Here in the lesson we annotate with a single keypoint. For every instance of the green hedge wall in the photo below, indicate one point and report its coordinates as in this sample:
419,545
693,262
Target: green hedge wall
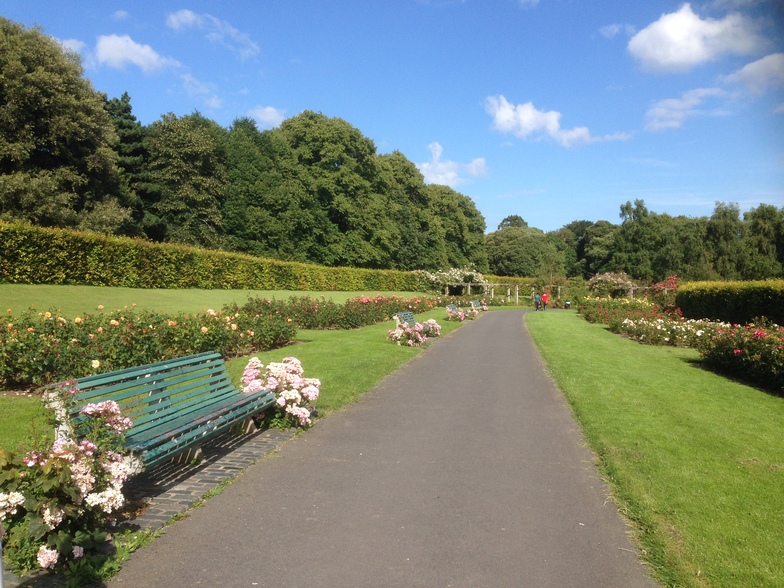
35,255
732,302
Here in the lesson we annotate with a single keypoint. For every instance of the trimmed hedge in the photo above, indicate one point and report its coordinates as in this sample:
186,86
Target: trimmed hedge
36,255
732,302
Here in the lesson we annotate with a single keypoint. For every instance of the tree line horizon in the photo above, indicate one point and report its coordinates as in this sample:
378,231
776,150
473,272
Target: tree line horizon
313,189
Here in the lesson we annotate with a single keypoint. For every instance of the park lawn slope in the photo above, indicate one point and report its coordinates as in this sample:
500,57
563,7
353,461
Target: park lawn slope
72,301
696,461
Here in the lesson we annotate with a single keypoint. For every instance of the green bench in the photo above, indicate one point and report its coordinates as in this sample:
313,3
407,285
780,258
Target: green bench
476,305
175,404
406,316
452,308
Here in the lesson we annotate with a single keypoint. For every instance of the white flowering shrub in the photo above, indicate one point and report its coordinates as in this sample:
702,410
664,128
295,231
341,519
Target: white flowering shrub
439,279
57,499
612,284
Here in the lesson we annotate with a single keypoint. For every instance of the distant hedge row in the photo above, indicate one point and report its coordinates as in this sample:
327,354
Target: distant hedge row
35,255
732,302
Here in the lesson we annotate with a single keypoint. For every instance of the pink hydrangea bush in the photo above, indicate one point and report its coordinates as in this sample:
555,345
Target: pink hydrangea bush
295,402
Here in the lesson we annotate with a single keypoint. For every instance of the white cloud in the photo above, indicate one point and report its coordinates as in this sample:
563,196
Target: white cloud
120,15
447,172
204,90
216,31
760,75
529,3
673,112
524,120
118,51
613,30
74,45
268,116
682,40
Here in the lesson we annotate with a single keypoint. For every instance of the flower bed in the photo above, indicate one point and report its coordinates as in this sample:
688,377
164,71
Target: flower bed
320,313
754,352
41,347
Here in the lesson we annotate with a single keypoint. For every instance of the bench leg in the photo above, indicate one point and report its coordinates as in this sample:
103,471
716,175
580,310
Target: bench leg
189,455
244,427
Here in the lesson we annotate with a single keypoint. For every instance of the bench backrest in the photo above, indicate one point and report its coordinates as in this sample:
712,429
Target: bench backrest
451,307
476,305
406,316
149,393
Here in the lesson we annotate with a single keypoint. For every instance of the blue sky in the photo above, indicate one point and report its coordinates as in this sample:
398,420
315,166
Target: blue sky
555,110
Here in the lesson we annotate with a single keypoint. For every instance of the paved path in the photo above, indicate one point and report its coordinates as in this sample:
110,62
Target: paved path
463,468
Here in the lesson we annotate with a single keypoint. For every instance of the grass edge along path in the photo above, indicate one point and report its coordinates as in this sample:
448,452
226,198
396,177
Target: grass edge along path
695,461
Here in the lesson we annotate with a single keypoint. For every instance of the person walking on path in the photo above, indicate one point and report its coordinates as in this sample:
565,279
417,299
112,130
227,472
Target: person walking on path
545,298
462,468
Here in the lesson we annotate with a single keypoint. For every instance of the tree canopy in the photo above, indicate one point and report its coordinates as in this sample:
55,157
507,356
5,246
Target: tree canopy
58,163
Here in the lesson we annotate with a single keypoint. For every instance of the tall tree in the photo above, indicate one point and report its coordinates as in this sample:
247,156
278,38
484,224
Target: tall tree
598,243
57,157
339,171
631,213
764,240
421,242
514,220
464,227
187,164
523,252
724,238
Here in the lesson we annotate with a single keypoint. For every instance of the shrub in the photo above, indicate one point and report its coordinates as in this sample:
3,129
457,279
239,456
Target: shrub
57,499
295,402
733,302
414,335
753,352
41,347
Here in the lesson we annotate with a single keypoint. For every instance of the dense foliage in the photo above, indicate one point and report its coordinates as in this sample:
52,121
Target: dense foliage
733,302
32,255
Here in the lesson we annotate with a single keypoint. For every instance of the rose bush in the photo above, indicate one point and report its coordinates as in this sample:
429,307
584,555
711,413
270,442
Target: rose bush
414,335
41,347
295,402
57,499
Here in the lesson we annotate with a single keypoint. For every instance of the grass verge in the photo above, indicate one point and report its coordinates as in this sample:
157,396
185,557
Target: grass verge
696,461
21,417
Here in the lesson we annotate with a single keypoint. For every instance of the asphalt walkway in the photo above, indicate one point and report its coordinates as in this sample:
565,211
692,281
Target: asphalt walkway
463,468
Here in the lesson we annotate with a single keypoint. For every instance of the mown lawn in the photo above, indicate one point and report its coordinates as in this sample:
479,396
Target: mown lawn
696,461
79,300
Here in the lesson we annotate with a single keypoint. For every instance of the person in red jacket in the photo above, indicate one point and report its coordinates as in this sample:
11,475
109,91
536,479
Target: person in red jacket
545,298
